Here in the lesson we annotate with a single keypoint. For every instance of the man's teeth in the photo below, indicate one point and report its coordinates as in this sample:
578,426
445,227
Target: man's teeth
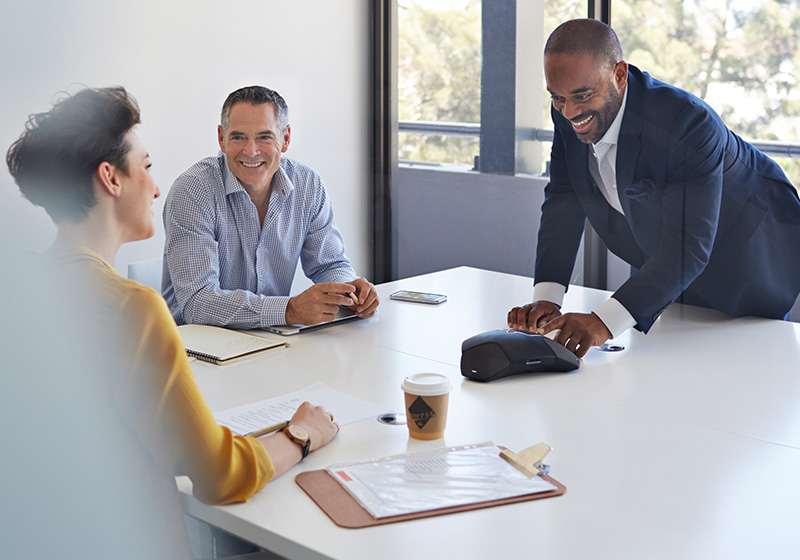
251,164
581,123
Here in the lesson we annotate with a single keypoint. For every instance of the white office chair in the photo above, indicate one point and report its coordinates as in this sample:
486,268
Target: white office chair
147,273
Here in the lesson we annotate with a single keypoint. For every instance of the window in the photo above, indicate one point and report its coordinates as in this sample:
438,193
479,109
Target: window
442,48
740,56
439,71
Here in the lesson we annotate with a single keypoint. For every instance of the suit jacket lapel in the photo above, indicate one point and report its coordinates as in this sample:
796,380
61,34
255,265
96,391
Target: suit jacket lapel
630,142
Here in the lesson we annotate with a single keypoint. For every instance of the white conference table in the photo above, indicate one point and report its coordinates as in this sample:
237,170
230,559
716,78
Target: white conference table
684,445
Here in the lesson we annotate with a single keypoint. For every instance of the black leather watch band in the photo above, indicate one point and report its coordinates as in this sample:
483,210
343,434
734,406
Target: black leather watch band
305,447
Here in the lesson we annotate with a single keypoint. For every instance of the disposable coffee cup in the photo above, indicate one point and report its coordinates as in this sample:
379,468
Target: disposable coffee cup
426,404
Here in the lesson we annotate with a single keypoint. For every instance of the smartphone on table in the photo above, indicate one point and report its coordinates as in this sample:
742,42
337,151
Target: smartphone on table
418,297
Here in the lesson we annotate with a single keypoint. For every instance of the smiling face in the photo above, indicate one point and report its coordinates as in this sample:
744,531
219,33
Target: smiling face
253,144
138,191
585,92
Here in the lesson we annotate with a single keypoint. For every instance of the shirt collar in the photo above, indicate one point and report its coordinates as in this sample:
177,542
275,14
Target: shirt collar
281,183
611,137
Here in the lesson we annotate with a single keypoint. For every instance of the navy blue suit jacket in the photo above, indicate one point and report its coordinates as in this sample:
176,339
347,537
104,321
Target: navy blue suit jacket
707,216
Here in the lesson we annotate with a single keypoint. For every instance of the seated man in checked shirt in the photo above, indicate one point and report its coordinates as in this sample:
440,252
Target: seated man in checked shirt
237,223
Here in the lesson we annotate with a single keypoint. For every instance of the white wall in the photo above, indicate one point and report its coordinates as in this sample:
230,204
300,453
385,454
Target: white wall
180,59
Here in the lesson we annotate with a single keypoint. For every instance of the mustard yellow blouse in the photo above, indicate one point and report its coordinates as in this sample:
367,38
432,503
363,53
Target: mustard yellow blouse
154,388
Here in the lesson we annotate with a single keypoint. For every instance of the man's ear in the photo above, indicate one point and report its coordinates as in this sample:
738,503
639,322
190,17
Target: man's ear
287,137
107,178
621,74
221,138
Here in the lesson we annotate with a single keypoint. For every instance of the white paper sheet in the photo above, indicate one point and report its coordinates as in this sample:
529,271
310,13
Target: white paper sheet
251,417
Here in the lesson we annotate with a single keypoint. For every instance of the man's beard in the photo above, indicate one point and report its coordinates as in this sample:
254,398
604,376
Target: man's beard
604,117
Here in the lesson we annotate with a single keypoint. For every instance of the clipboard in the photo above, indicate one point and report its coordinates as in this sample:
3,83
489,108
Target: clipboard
346,512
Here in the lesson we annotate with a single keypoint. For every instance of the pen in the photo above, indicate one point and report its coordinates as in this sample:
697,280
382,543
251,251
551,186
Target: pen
353,297
269,429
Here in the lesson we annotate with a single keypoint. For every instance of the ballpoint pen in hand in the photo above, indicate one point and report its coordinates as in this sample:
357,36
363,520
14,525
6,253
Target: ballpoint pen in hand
269,429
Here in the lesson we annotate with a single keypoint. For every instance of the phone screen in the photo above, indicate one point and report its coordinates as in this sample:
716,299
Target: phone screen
418,297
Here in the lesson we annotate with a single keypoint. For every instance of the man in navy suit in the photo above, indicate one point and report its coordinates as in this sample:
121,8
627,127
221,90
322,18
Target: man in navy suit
701,216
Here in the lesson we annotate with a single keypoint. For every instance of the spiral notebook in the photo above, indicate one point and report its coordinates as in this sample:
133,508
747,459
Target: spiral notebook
222,346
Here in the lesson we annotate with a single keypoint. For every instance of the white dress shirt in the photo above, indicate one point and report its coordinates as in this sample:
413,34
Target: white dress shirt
613,314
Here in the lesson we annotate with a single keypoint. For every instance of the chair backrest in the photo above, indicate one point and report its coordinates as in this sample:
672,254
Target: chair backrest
147,273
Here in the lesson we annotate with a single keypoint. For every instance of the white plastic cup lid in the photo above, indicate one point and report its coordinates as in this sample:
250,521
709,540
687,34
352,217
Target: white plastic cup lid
426,384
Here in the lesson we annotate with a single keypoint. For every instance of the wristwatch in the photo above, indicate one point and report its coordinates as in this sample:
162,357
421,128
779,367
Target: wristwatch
299,435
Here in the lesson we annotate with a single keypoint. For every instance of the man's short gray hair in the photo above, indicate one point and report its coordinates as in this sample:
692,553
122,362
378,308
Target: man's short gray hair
256,95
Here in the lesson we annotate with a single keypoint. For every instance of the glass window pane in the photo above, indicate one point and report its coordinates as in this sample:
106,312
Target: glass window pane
439,72
556,12
740,56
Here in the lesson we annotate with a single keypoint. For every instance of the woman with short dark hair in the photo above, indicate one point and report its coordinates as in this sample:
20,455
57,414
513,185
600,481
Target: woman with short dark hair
83,163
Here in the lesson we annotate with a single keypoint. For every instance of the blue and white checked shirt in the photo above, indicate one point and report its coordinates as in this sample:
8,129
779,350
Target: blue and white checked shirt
222,268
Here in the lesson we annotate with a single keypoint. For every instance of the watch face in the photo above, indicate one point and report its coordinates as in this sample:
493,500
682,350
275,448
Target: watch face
297,432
